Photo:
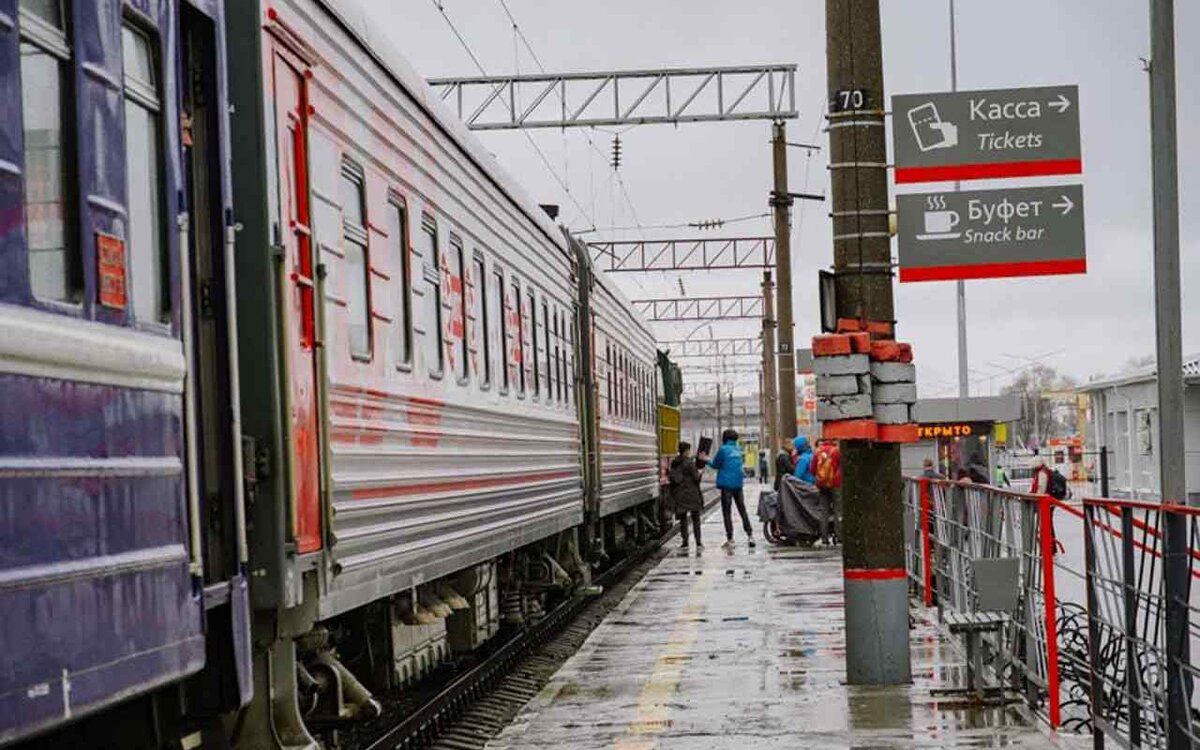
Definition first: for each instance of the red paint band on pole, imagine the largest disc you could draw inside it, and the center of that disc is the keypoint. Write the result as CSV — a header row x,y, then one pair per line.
x,y
951,172
994,270
1046,532
926,547
875,574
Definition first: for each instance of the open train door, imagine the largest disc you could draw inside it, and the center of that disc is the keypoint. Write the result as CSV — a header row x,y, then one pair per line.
x,y
215,435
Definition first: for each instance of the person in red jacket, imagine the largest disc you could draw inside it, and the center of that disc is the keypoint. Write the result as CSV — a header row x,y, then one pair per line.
x,y
1054,484
827,468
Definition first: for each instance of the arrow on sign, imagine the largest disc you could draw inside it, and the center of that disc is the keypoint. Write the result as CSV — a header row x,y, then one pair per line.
x,y
1066,205
1062,104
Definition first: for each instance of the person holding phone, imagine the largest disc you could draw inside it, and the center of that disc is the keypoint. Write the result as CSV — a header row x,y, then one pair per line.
x,y
684,476
728,463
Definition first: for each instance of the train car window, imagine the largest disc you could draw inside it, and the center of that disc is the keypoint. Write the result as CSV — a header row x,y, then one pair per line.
x,y
628,388
549,351
500,326
649,397
483,322
558,373
520,333
461,369
537,358
608,371
560,334
571,355
55,270
397,219
624,384
356,262
620,383
143,172
637,393
435,352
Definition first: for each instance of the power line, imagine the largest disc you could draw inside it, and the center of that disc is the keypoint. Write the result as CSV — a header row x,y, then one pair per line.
x,y
678,225
541,155
558,92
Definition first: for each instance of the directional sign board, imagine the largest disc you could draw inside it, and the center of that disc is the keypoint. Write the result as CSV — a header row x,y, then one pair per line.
x,y
972,135
978,234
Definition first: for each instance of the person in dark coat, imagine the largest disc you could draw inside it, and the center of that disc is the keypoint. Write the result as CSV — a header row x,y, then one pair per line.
x,y
685,491
784,465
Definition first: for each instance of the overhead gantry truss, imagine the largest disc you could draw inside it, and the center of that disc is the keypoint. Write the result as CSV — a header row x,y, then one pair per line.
x,y
622,97
731,347
684,254
700,308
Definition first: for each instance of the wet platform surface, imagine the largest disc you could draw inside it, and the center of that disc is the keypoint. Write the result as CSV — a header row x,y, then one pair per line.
x,y
745,649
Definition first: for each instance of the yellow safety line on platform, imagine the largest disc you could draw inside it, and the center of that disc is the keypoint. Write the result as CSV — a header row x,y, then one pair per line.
x,y
653,701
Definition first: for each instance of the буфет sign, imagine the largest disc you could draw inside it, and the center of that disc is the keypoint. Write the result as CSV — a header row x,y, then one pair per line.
x,y
972,135
978,234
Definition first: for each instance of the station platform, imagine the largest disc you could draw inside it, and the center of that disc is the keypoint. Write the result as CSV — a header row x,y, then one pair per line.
x,y
744,649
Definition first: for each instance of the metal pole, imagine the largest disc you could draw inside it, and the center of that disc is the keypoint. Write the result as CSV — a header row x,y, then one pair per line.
x,y
781,202
732,418
1104,471
1170,362
771,386
717,437
1133,677
1095,681
964,382
876,587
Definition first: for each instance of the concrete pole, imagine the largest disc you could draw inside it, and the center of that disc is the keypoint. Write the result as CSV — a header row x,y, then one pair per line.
x,y
781,202
770,385
1167,318
876,598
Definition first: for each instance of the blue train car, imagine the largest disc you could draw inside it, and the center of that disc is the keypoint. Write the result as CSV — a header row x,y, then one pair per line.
x,y
122,535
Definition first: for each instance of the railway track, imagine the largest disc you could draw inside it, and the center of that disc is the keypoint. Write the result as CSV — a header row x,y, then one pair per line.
x,y
472,707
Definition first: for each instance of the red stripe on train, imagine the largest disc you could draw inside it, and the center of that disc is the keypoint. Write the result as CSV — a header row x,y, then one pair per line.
x,y
456,484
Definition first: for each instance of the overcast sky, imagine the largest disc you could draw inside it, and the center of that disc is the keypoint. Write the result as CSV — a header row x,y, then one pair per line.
x,y
1091,323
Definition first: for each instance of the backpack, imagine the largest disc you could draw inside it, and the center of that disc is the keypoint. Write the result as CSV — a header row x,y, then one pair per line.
x,y
823,469
1056,485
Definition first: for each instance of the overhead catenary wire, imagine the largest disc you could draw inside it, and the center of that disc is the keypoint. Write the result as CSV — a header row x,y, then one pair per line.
x,y
537,149
676,225
520,34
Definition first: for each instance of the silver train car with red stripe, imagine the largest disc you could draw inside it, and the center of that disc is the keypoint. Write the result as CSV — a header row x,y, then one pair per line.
x,y
399,413
451,417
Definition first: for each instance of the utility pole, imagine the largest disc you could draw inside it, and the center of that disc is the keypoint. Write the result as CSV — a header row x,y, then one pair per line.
x,y
1167,318
717,438
781,202
964,379
770,384
876,598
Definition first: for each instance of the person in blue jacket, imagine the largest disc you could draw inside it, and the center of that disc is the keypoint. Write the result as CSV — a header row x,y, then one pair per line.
x,y
728,463
804,459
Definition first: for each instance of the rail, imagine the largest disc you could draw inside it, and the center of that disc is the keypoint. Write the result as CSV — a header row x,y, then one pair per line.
x,y
1107,613
421,727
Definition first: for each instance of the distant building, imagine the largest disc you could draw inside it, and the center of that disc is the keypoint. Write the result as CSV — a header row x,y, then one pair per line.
x,y
1123,416
955,430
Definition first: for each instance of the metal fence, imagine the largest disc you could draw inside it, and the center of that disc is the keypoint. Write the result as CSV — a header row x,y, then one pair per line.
x,y
1107,618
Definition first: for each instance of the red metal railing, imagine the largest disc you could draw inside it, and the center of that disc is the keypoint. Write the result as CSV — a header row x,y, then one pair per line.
x,y
1100,641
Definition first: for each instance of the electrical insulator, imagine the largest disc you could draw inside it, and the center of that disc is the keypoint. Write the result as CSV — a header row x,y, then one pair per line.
x,y
616,152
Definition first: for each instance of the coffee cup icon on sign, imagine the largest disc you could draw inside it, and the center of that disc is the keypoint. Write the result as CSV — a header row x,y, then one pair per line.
x,y
939,220
929,129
